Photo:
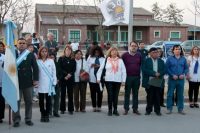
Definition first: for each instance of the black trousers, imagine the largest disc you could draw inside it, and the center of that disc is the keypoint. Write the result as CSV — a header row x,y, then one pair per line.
x,y
153,99
44,109
55,101
2,104
69,84
162,92
193,91
96,95
113,93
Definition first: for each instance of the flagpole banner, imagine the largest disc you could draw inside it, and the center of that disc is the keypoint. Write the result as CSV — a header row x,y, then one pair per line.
x,y
10,85
115,11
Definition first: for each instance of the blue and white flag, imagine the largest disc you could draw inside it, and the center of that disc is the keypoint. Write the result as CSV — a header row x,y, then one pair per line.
x,y
10,85
115,11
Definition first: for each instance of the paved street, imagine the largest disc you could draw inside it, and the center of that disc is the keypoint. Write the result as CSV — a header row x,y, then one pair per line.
x,y
92,122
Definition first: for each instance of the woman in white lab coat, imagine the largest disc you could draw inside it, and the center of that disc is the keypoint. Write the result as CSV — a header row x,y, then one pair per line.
x,y
47,82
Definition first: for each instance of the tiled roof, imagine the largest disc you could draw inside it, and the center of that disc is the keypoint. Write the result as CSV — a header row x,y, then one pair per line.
x,y
81,9
94,21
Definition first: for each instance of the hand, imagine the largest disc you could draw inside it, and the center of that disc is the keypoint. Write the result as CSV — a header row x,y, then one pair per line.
x,y
157,74
35,84
69,76
181,77
93,65
175,77
98,81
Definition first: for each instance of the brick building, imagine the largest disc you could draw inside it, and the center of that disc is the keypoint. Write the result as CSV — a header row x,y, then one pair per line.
x,y
81,22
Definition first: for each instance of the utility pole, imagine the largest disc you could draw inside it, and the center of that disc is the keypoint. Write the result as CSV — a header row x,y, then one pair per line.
x,y
130,25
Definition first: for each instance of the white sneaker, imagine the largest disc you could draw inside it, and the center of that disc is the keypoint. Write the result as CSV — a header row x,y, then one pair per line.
x,y
35,99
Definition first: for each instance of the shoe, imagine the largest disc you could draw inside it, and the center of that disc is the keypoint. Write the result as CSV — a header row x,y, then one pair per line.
x,y
125,112
46,119
136,112
182,112
116,113
71,112
196,105
147,113
98,110
163,105
62,112
109,113
1,121
169,112
29,123
35,99
83,111
158,114
192,105
94,110
16,124
56,115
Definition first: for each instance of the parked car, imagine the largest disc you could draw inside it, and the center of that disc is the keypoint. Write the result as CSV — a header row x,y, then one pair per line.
x,y
188,44
160,44
155,44
167,47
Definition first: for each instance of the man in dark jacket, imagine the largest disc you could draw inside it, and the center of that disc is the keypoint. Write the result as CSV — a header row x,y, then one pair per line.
x,y
51,44
153,72
28,75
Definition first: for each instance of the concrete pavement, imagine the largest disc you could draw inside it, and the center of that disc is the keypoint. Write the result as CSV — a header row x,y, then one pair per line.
x,y
93,122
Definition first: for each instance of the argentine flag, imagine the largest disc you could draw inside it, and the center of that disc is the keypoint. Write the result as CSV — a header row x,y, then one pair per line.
x,y
10,86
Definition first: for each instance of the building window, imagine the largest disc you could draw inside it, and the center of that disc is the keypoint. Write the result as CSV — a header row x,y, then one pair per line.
x,y
95,36
109,36
175,34
74,35
138,35
55,33
156,34
124,36
89,35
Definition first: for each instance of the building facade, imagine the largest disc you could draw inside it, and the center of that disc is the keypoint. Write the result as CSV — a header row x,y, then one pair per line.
x,y
81,23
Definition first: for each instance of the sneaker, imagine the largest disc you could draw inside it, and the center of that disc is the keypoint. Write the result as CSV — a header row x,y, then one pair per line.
x,y
196,105
35,99
191,105
182,112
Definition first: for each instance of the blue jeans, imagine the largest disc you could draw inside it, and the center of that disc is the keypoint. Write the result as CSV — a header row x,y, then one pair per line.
x,y
172,85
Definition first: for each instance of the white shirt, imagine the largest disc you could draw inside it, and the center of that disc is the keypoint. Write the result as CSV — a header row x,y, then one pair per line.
x,y
90,61
78,68
119,76
192,61
44,82
155,65
74,46
1,68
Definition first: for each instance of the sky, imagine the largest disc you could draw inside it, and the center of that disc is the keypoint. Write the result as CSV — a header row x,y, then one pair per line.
x,y
187,5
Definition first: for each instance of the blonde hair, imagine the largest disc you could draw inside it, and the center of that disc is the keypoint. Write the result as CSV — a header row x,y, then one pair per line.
x,y
110,50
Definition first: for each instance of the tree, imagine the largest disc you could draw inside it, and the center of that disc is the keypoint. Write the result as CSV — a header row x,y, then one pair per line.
x,y
157,11
21,13
173,14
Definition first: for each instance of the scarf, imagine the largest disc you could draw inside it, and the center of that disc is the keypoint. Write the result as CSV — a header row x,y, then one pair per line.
x,y
114,63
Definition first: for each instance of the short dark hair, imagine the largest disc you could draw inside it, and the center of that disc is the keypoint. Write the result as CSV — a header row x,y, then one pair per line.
x,y
176,46
99,49
152,49
133,42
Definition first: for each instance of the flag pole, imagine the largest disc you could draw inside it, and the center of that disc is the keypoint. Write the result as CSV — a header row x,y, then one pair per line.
x,y
130,25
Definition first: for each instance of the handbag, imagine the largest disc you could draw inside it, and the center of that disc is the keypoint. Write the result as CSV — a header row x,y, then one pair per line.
x,y
83,76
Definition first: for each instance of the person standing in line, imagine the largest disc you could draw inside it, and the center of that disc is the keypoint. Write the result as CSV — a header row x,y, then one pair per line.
x,y
115,74
143,51
47,82
132,59
51,44
28,76
55,99
94,60
154,70
67,68
177,69
80,86
2,100
194,76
